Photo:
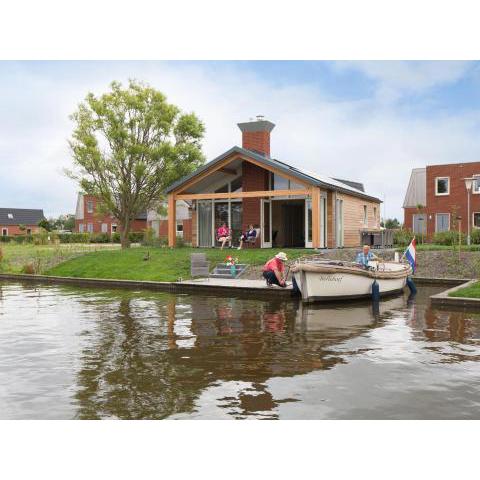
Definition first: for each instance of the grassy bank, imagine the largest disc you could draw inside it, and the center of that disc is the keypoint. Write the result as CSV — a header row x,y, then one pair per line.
x,y
472,291
19,258
164,264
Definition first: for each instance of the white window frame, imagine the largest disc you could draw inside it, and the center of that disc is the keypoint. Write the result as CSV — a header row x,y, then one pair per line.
x,y
473,219
4,229
477,181
365,215
104,227
88,227
112,226
178,232
449,221
90,202
436,186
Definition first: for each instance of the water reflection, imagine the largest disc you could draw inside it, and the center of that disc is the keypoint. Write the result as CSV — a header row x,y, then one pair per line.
x,y
134,355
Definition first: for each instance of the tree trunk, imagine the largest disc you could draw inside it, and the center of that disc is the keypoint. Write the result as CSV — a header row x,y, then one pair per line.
x,y
124,235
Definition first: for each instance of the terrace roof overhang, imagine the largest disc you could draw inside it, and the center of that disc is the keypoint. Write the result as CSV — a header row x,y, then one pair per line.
x,y
179,187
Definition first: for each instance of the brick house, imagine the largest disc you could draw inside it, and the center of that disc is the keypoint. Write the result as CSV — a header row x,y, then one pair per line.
x,y
159,223
441,190
289,206
13,220
87,220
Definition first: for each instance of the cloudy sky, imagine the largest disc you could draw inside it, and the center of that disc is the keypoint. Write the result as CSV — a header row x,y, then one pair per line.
x,y
366,121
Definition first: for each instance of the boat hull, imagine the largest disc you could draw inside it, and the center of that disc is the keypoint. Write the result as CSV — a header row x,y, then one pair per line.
x,y
330,286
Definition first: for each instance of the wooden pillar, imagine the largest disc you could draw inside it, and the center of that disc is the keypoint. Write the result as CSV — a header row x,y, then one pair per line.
x,y
315,217
172,220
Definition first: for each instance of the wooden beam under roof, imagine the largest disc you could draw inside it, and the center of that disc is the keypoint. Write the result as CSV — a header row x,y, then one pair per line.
x,y
257,194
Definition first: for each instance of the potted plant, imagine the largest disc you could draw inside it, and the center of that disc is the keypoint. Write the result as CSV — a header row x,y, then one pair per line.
x,y
232,263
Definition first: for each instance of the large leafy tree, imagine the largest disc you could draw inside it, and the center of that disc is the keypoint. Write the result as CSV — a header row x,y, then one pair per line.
x,y
128,145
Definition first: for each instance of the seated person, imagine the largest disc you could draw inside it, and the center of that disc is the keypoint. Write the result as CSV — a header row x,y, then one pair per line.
x,y
274,270
223,234
250,234
365,256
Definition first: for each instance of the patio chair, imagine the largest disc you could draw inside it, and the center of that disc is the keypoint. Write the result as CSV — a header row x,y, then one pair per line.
x,y
199,266
252,242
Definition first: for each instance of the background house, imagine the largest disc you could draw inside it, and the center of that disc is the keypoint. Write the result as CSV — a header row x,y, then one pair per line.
x,y
159,223
88,220
12,220
291,207
436,197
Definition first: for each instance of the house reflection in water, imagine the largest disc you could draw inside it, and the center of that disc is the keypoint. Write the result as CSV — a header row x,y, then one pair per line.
x,y
154,357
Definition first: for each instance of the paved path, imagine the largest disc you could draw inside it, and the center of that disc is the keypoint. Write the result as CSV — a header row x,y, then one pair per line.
x,y
234,283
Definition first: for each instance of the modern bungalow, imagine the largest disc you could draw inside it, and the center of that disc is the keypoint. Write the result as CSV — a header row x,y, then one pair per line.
x,y
289,206
19,221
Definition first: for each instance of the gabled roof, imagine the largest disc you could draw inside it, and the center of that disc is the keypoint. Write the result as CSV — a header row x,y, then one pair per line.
x,y
20,216
309,177
417,189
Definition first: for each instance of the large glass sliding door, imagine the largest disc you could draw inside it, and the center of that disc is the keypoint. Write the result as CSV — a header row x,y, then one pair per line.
x,y
266,223
205,223
339,222
323,221
308,223
236,219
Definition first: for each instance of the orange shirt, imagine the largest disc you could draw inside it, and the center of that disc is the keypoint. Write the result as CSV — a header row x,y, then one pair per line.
x,y
274,264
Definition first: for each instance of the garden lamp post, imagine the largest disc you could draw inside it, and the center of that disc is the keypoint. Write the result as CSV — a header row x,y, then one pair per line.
x,y
468,186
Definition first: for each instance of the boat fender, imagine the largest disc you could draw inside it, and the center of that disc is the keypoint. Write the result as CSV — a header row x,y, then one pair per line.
x,y
375,291
411,285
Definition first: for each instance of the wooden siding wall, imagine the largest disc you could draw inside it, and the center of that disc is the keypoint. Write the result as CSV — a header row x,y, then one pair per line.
x,y
353,218
194,227
330,219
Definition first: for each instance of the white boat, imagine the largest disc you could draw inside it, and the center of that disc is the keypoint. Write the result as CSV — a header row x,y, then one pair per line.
x,y
324,280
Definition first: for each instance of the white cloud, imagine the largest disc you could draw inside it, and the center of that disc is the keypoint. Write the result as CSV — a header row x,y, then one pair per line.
x,y
396,78
357,140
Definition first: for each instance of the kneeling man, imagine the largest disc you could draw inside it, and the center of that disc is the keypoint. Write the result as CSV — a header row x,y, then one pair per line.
x,y
274,269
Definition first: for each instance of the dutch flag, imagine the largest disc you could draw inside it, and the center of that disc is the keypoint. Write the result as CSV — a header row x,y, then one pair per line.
x,y
411,254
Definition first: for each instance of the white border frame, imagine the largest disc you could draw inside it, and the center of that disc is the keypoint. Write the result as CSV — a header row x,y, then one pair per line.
x,y
4,228
436,185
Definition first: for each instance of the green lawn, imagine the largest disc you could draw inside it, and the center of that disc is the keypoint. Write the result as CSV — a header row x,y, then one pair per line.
x,y
428,247
472,291
42,257
165,264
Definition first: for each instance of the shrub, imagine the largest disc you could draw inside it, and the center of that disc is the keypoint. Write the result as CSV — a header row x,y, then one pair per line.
x,y
5,238
1,254
148,236
28,268
402,237
100,238
40,238
475,236
74,237
135,237
447,238
115,237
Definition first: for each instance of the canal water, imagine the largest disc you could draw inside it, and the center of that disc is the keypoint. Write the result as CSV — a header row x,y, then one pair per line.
x,y
74,353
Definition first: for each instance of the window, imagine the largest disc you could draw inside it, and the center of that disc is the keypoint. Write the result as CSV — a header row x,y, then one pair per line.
x,y
81,227
280,183
442,222
476,184
442,186
104,228
4,232
114,228
476,219
179,229
90,227
10,216
375,215
89,206
365,215
29,231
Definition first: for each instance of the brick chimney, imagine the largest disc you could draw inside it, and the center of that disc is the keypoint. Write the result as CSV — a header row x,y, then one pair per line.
x,y
256,135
